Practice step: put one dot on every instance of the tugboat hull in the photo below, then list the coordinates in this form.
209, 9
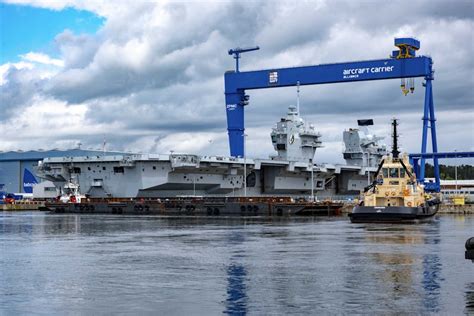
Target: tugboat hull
391, 214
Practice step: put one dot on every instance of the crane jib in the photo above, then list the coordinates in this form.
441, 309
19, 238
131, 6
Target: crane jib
329, 73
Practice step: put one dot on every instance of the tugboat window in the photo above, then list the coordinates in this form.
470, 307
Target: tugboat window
385, 172
393, 172
402, 173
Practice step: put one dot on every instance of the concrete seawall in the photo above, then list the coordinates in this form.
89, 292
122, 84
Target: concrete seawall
457, 209
31, 206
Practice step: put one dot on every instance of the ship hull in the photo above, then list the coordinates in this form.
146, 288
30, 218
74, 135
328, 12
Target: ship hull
392, 214
200, 207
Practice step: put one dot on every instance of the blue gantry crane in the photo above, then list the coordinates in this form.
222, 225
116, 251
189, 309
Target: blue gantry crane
402, 64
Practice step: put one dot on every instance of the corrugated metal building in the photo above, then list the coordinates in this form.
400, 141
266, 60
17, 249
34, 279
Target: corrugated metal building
17, 168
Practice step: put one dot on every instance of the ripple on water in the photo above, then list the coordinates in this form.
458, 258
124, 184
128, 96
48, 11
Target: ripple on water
107, 264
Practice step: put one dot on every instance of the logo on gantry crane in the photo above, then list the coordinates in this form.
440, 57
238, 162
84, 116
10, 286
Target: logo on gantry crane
355, 72
273, 77
231, 107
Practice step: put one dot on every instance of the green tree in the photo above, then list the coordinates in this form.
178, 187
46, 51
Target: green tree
465, 172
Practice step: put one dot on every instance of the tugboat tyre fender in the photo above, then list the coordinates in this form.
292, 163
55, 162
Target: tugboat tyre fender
470, 244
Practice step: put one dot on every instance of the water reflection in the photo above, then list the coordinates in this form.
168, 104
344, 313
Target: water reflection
106, 264
432, 271
236, 302
390, 261
470, 298
431, 281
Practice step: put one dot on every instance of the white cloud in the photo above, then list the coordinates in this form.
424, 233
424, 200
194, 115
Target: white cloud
49, 123
4, 68
42, 59
102, 8
151, 79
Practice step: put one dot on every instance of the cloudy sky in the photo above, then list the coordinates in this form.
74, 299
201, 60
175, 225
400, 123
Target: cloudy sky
148, 76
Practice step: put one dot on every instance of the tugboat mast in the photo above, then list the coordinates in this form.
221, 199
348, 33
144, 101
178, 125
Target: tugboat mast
395, 151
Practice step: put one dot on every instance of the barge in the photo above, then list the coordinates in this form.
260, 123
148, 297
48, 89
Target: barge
199, 206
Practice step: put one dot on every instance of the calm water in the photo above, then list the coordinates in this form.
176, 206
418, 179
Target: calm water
56, 264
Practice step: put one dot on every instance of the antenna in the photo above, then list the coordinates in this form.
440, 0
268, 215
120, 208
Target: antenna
237, 51
395, 151
298, 97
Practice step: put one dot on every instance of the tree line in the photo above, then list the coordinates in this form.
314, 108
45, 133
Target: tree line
465, 172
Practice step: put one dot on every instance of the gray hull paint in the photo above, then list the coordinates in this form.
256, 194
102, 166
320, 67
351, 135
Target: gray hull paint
362, 214
151, 177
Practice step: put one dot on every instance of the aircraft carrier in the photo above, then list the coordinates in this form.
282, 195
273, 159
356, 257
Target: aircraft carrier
291, 172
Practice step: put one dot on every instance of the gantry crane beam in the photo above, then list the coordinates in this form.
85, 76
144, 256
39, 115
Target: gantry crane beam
400, 65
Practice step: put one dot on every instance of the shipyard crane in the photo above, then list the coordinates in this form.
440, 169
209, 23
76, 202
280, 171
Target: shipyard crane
237, 51
402, 64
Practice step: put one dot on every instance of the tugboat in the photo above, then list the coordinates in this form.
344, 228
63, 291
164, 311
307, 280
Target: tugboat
395, 196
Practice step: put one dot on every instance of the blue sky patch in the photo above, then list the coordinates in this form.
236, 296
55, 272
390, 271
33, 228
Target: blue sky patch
24, 29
